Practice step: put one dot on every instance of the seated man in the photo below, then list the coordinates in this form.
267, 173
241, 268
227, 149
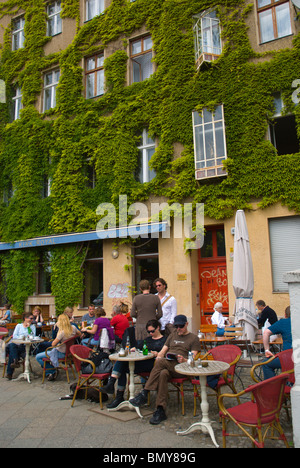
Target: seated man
154, 344
282, 327
179, 343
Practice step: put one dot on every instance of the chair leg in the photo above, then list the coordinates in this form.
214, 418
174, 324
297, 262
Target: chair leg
44, 372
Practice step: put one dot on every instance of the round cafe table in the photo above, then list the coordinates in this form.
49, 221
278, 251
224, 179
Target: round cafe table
26, 374
213, 368
131, 358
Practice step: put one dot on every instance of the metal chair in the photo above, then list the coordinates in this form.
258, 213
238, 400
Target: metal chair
65, 363
225, 353
80, 354
287, 367
258, 414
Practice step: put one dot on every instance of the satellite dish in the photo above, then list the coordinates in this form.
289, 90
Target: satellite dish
296, 3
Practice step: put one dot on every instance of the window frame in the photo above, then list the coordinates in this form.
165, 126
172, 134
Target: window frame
146, 174
272, 6
205, 170
55, 15
17, 103
52, 87
94, 71
143, 52
202, 55
18, 34
98, 8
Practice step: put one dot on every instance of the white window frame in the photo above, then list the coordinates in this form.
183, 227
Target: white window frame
205, 128
17, 103
18, 35
54, 18
206, 51
94, 8
50, 87
146, 174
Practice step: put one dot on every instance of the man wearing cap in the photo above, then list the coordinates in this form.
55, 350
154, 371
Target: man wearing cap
175, 351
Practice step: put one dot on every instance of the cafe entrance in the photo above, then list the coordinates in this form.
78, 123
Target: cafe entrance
212, 273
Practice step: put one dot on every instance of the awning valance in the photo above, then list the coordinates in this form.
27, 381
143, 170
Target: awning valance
59, 239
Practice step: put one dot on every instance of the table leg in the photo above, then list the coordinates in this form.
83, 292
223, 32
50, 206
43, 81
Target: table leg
205, 424
26, 374
127, 404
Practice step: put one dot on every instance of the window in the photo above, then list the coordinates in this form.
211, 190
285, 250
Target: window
285, 248
141, 56
50, 83
274, 19
146, 149
146, 261
16, 103
93, 274
209, 143
44, 273
94, 8
207, 37
54, 19
282, 129
18, 36
94, 82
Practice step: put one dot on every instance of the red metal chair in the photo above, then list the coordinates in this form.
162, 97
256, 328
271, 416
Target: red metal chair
225, 353
178, 383
287, 367
80, 354
66, 362
261, 412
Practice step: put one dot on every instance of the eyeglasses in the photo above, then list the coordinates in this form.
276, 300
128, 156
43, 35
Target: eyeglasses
151, 331
158, 285
179, 326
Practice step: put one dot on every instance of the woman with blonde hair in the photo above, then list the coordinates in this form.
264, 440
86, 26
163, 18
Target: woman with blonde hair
65, 330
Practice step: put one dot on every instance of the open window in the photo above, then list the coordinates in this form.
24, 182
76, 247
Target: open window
207, 37
282, 129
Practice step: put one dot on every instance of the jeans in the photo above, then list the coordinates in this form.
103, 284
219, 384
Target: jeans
14, 353
85, 342
269, 369
49, 368
121, 368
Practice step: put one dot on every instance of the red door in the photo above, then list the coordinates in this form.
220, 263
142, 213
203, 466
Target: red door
212, 273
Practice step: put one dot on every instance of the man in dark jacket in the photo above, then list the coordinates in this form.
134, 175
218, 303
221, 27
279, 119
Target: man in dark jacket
266, 313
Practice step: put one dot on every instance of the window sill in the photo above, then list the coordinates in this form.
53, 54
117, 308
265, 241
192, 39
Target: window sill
209, 173
275, 39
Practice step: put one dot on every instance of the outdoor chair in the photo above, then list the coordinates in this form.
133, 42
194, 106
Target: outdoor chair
65, 363
178, 384
225, 353
260, 414
81, 354
22, 362
287, 367
207, 329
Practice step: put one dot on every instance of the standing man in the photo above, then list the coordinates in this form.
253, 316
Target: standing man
174, 351
145, 307
168, 304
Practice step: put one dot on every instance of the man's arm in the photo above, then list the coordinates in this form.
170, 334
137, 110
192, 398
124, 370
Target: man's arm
162, 352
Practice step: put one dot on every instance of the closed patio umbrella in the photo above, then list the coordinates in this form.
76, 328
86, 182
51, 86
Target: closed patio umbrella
243, 279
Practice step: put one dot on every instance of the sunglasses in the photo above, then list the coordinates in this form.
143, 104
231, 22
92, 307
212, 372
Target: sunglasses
151, 331
179, 326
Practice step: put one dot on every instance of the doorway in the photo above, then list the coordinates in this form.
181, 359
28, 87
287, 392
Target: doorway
212, 273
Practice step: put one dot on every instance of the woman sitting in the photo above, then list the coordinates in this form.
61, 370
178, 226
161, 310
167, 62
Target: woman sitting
154, 343
93, 334
65, 331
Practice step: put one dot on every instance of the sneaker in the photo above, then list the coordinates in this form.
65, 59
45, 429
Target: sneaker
140, 400
158, 416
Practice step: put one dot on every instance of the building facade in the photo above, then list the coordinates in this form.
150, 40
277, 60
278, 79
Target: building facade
113, 103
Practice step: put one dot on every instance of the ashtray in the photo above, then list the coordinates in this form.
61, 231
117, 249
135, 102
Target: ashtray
204, 364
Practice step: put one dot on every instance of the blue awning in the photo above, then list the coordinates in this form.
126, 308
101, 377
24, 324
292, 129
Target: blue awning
59, 239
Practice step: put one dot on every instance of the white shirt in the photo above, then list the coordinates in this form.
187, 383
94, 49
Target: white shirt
20, 331
218, 319
169, 309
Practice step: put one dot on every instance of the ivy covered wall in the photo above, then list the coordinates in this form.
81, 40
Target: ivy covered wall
60, 143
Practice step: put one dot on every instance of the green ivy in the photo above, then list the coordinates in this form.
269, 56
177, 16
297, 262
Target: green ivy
62, 143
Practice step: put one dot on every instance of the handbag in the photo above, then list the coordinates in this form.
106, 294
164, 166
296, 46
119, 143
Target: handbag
102, 363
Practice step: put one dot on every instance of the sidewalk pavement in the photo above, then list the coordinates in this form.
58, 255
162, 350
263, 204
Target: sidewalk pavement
33, 416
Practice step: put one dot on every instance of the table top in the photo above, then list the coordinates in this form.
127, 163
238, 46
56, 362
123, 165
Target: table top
216, 339
213, 367
135, 356
19, 341
278, 341
2, 333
